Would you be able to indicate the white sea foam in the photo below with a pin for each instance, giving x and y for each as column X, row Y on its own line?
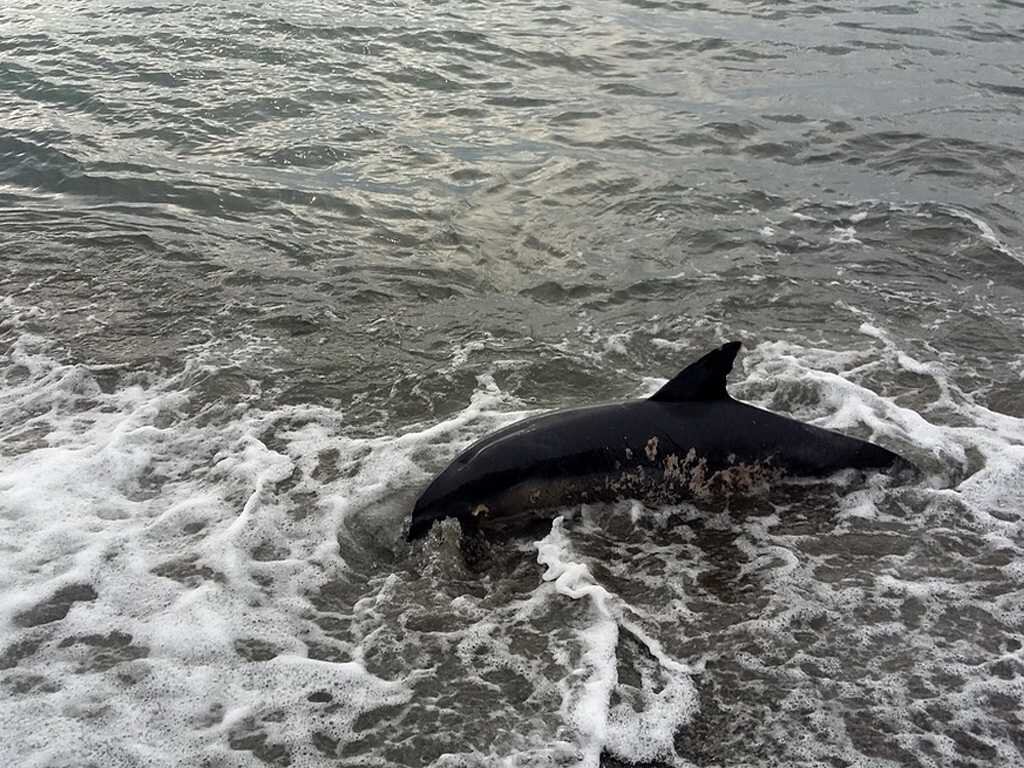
column 642, row 725
column 202, row 552
column 844, row 236
column 76, row 512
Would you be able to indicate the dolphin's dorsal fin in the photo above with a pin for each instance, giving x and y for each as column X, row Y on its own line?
column 702, row 380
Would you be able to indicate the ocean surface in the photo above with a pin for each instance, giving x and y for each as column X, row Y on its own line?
column 266, row 267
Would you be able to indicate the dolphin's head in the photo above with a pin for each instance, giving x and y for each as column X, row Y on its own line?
column 478, row 481
column 456, row 492
column 432, row 505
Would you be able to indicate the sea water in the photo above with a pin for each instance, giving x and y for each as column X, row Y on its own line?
column 267, row 267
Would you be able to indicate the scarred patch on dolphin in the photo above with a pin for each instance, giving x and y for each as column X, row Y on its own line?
column 651, row 449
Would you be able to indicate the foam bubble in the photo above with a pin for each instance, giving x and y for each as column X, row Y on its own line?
column 844, row 236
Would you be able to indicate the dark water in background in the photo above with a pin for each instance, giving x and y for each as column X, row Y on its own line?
column 267, row 267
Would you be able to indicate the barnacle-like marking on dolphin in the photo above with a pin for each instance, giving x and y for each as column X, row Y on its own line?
column 676, row 470
column 672, row 469
column 629, row 483
column 748, row 479
column 651, row 449
column 700, row 483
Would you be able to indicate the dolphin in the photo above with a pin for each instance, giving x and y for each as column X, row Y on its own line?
column 688, row 441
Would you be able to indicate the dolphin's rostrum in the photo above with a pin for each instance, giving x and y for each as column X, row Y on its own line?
column 690, row 440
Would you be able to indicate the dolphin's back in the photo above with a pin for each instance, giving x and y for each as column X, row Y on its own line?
column 689, row 439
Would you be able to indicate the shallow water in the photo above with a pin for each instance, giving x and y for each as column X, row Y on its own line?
column 267, row 268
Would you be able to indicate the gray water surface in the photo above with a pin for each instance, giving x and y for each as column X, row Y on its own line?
column 268, row 266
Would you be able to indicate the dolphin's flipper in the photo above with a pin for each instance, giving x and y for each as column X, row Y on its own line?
column 702, row 380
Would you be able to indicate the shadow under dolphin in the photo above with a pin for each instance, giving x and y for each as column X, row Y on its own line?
column 688, row 441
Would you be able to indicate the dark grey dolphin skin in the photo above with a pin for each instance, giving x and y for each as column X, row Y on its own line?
column 688, row 441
